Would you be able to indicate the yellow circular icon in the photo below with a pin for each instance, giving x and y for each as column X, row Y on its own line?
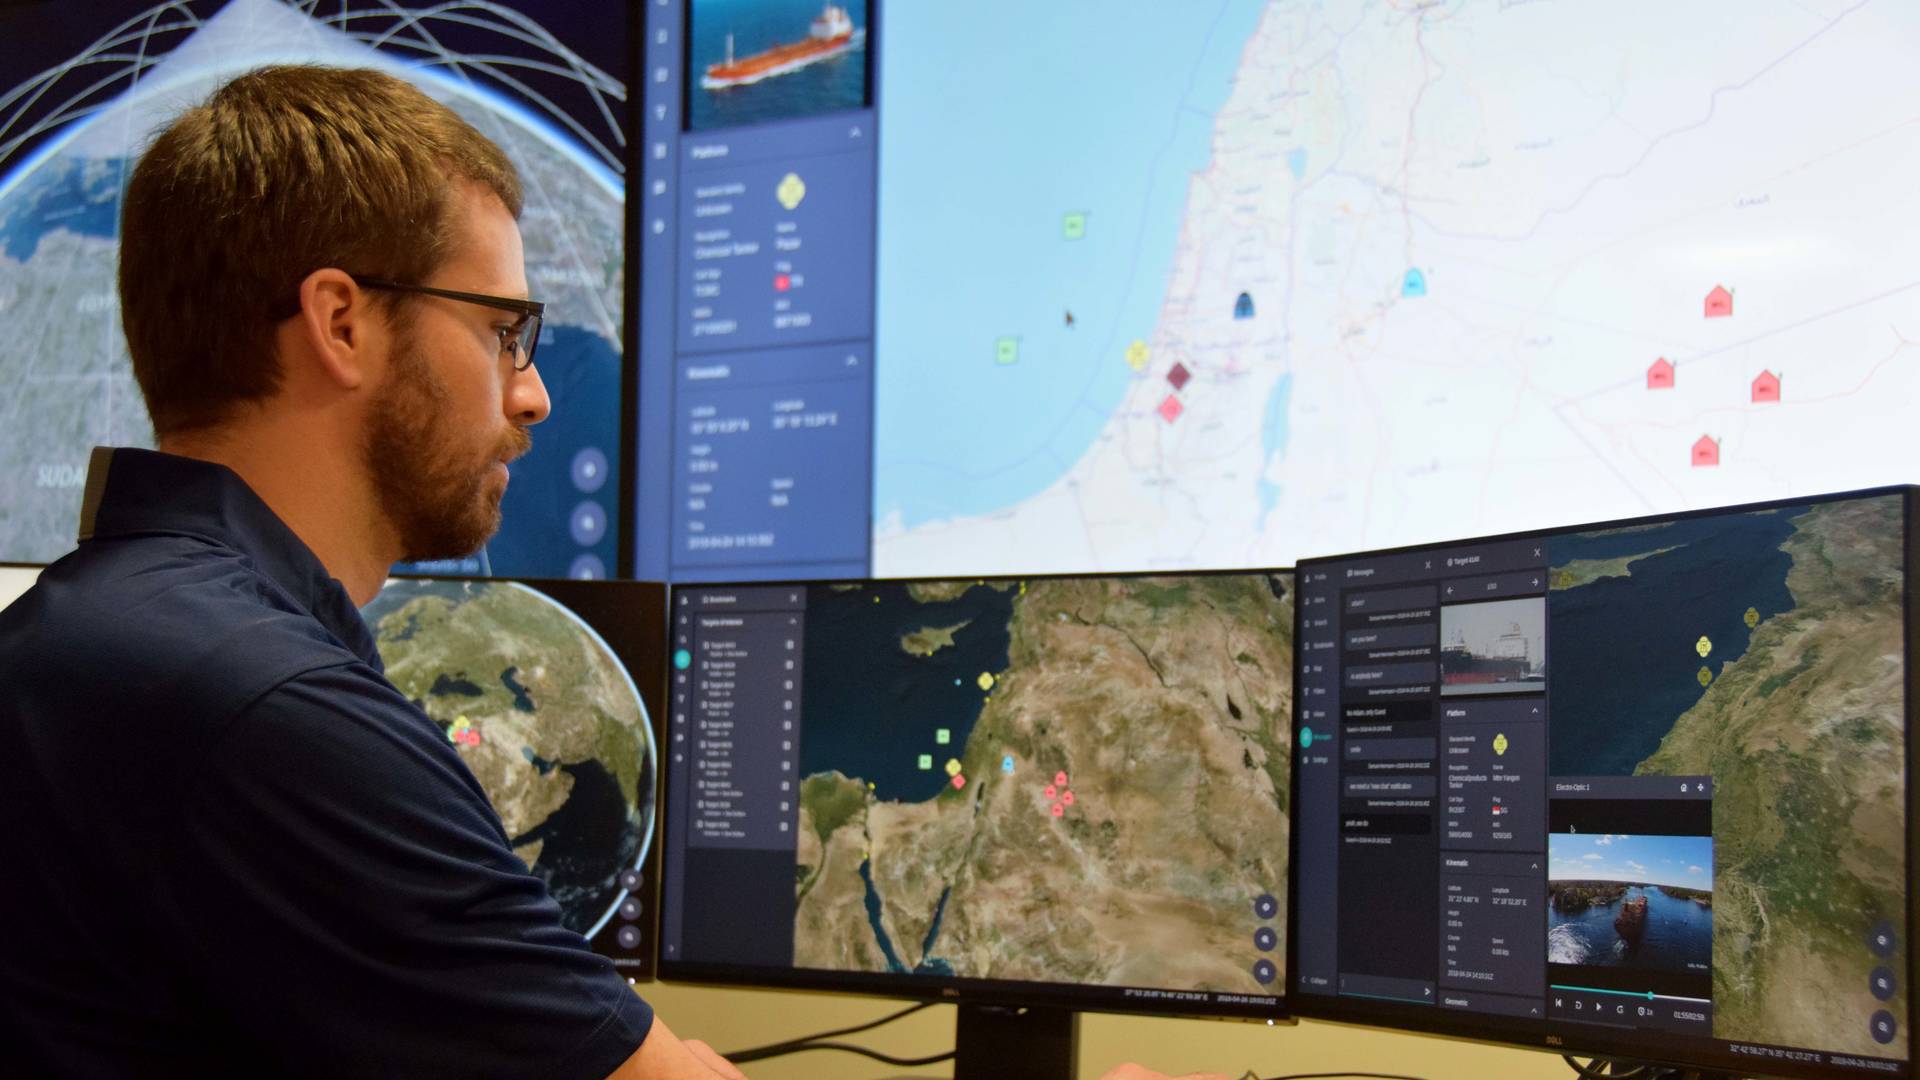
column 1703, row 646
column 1705, row 676
column 1753, row 618
column 1137, row 356
column 986, row 680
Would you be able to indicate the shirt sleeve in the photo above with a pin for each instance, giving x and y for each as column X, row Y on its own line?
column 350, row 897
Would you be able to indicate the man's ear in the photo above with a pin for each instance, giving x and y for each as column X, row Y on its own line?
column 338, row 328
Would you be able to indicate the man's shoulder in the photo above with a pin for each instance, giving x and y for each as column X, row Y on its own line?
column 171, row 621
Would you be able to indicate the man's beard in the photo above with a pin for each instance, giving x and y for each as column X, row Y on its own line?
column 433, row 486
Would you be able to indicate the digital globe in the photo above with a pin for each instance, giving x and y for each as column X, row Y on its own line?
column 547, row 718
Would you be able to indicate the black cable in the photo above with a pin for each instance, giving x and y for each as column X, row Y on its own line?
column 844, row 1048
column 757, row 1053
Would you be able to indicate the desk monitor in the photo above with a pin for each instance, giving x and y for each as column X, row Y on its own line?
column 1060, row 792
column 548, row 690
column 1635, row 789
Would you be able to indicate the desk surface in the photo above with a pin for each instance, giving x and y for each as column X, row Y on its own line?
column 731, row 1019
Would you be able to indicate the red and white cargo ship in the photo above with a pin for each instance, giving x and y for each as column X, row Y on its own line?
column 831, row 34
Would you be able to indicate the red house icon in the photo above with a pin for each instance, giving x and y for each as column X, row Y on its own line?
column 1719, row 303
column 1706, row 451
column 1766, row 387
column 1660, row 375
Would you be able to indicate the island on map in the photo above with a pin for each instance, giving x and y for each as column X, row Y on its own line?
column 928, row 640
column 1800, row 724
column 1111, row 803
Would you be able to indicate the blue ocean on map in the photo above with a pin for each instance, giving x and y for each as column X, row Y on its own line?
column 872, row 707
column 1624, row 665
column 1678, row 937
column 831, row 85
column 81, row 197
column 1111, row 118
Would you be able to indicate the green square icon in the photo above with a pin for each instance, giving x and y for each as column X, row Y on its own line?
column 1006, row 350
column 926, row 762
column 1073, row 225
column 942, row 736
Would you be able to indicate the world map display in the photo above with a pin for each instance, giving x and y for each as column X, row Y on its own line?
column 548, row 720
column 1228, row 284
column 1070, row 780
column 70, row 386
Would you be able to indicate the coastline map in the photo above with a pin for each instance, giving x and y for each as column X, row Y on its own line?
column 1763, row 650
column 1063, row 780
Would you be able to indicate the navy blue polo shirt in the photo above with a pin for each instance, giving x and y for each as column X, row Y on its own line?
column 231, row 843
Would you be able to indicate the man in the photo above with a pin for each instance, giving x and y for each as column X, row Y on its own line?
column 234, row 844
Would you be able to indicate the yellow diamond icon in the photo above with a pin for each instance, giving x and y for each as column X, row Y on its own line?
column 986, row 680
column 953, row 766
column 1705, row 676
column 791, row 190
column 1500, row 744
column 1703, row 646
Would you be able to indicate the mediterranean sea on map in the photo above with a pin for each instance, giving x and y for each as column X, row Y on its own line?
column 1625, row 662
column 872, row 716
column 1116, row 141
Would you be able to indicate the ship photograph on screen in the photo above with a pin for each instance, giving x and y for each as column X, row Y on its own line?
column 88, row 85
column 754, row 61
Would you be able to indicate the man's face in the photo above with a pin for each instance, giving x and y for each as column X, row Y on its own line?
column 452, row 412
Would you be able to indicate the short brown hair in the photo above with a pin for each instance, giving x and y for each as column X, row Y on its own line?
column 283, row 171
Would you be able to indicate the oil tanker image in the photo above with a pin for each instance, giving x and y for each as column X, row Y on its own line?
column 1508, row 661
column 831, row 33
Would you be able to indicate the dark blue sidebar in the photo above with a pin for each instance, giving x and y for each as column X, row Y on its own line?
column 756, row 334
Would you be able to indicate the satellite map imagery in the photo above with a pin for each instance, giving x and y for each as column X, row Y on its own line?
column 1765, row 651
column 1059, row 780
column 84, row 91
column 548, row 718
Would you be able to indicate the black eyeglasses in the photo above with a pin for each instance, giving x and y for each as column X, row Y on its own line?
column 517, row 342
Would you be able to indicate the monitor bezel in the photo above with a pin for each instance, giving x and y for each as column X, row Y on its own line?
column 1574, row 1038
column 954, row 989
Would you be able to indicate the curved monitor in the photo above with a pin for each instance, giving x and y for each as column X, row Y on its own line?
column 1634, row 789
column 1059, row 791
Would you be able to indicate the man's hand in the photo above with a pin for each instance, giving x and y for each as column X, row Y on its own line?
column 712, row 1060
column 664, row 1057
column 1131, row 1071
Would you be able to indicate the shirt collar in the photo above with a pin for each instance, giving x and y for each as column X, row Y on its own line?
column 134, row 492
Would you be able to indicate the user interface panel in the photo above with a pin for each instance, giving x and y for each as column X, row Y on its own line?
column 1066, row 789
column 1639, row 788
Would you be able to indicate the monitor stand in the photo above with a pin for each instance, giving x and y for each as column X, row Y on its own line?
column 993, row 1042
